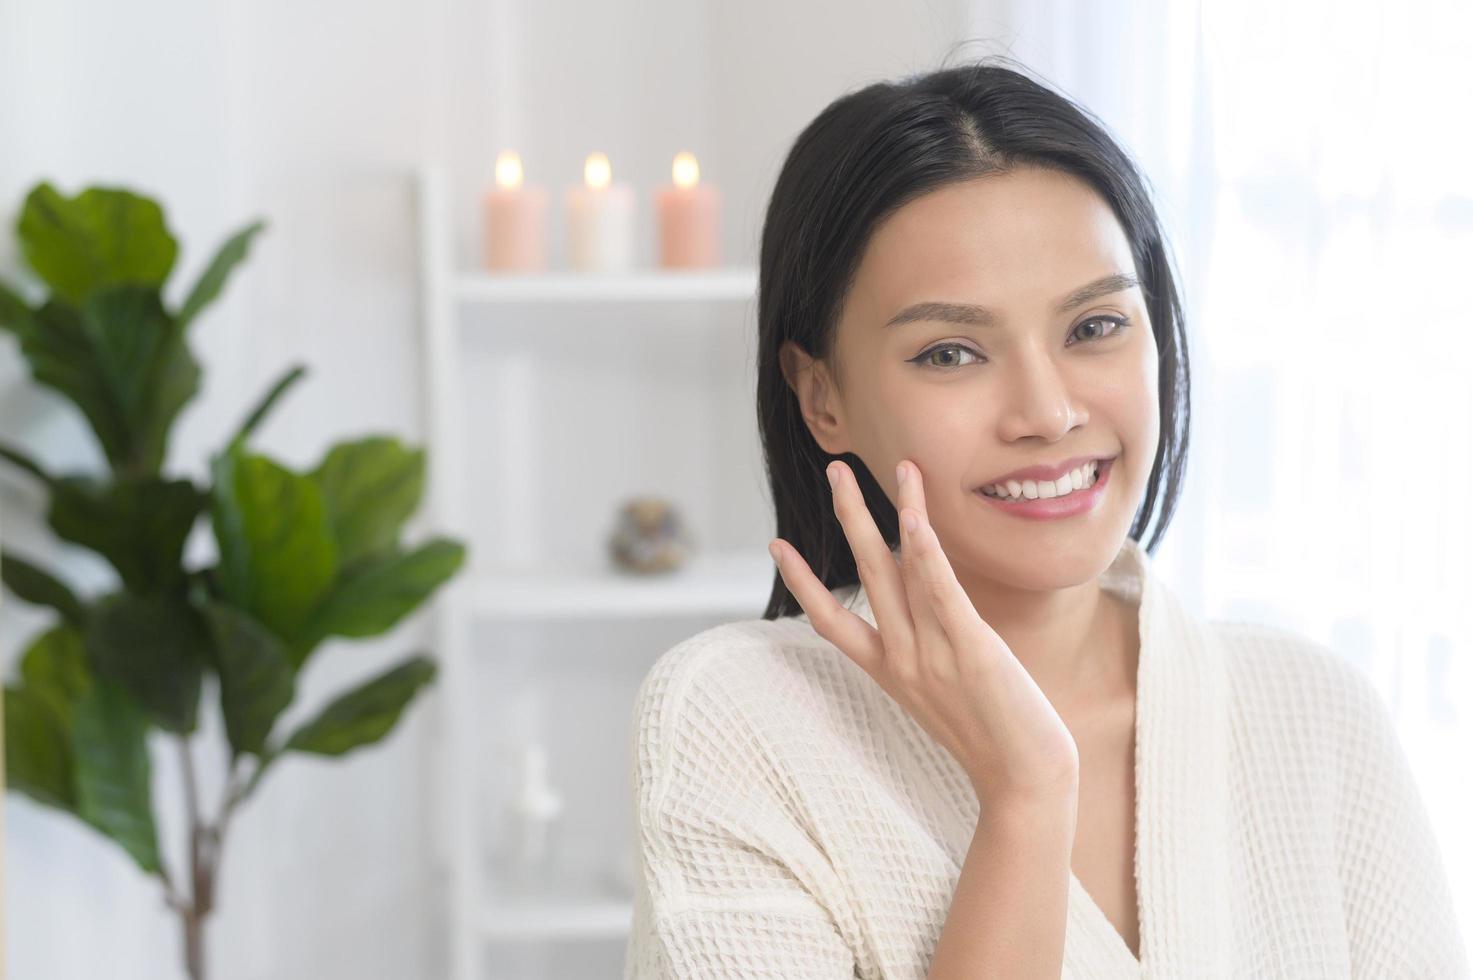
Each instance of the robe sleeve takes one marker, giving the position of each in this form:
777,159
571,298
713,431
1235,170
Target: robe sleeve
721,863
1399,911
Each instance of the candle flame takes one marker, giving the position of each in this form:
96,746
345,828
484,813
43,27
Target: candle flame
685,170
596,170
508,170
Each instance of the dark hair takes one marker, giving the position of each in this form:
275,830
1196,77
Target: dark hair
867,154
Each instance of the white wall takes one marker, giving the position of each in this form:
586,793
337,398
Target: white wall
311,115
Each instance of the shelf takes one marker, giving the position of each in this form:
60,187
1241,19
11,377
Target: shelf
714,585
734,584
644,285
529,921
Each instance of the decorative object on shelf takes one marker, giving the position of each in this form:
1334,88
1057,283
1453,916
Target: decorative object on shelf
688,215
600,220
302,556
650,536
515,218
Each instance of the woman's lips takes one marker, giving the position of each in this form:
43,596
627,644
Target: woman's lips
1070,505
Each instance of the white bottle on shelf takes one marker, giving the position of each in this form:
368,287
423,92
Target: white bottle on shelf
531,858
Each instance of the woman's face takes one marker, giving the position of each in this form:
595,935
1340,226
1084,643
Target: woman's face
968,402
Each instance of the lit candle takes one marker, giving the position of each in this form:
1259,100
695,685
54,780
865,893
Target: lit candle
600,220
516,219
689,216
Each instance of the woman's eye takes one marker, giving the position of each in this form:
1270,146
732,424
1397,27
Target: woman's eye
1121,322
945,348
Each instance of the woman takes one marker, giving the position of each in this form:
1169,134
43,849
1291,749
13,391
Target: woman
994,743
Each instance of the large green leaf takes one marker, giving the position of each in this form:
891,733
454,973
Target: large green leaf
370,486
231,254
143,358
38,753
61,356
257,680
155,646
139,525
277,556
101,237
55,670
113,771
122,360
365,714
39,587
382,591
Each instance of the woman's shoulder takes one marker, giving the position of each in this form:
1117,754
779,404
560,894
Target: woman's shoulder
1283,660
1320,755
742,673
1302,687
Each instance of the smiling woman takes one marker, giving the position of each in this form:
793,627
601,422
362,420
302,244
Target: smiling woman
999,320
974,732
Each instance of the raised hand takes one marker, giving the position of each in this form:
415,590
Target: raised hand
933,653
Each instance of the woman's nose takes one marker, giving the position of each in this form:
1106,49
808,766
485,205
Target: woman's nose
1039,400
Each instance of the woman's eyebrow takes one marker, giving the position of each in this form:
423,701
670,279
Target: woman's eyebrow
982,316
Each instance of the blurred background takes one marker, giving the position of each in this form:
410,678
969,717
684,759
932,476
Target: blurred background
1311,165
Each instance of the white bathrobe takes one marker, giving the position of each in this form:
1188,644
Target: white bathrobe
793,821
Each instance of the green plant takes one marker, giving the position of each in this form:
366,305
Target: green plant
301,556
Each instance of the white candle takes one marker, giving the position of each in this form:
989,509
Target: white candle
600,220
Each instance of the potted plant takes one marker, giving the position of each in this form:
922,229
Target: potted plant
301,556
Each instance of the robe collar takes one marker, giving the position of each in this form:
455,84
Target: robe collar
1181,793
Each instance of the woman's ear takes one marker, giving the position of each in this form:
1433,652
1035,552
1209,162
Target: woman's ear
812,384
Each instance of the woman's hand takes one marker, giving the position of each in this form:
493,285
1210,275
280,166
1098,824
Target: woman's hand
933,654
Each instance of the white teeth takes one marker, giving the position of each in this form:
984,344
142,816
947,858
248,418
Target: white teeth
1076,479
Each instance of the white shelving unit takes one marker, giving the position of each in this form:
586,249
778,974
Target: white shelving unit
717,585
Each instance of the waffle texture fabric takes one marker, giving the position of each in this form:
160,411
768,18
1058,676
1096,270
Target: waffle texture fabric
793,821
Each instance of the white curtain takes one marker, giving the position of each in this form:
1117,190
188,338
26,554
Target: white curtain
1313,163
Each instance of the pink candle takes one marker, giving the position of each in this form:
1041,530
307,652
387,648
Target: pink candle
689,218
515,220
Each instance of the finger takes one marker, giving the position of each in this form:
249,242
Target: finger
931,637
931,579
858,640
878,569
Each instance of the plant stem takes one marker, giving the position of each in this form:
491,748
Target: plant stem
205,848
201,865
194,945
191,792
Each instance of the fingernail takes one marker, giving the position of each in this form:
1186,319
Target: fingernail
777,555
909,519
900,472
833,473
